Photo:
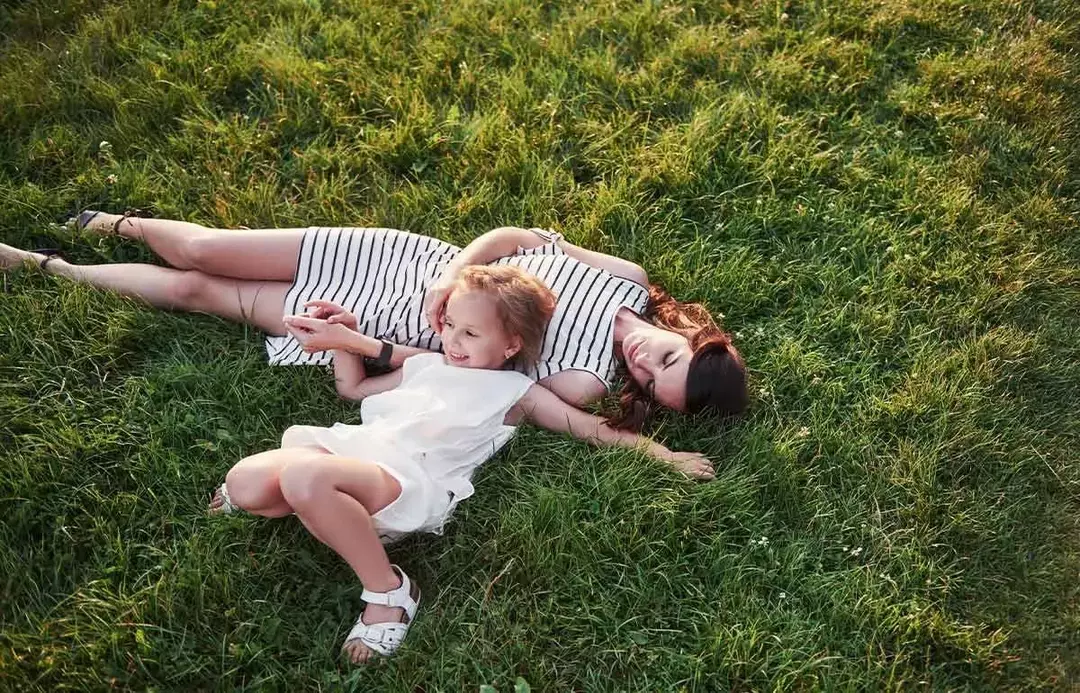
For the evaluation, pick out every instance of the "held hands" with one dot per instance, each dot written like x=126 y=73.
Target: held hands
x=331 y=313
x=324 y=326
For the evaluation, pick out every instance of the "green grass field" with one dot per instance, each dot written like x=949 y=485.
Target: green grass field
x=880 y=197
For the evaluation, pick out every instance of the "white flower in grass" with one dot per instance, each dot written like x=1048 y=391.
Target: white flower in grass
x=111 y=179
x=803 y=432
x=783 y=595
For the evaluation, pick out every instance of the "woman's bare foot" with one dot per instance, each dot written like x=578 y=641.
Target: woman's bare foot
x=13 y=257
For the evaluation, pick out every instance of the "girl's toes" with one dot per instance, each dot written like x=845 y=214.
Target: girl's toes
x=358 y=652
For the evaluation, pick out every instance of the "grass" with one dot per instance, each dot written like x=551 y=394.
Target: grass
x=882 y=199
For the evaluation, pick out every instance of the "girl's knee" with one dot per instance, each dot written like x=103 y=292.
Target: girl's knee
x=250 y=486
x=307 y=479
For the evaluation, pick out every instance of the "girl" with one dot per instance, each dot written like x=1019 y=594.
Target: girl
x=426 y=427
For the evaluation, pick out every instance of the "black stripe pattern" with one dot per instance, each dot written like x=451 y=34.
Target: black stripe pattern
x=381 y=275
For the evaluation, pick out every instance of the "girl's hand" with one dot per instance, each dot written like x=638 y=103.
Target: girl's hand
x=692 y=464
x=318 y=335
x=436 y=297
x=331 y=313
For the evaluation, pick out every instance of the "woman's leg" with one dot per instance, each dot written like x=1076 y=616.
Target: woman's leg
x=257 y=303
x=335 y=497
x=266 y=254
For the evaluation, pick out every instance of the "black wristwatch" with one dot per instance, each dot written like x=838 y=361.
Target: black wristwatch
x=375 y=366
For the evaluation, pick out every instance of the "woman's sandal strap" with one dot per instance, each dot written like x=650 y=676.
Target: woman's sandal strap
x=85 y=217
x=128 y=213
x=50 y=255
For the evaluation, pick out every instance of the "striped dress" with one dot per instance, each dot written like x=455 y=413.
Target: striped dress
x=382 y=275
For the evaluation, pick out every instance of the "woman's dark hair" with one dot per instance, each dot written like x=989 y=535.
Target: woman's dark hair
x=716 y=380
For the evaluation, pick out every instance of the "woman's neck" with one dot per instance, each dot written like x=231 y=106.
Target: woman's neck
x=625 y=320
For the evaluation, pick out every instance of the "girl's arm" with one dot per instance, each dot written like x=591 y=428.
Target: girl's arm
x=544 y=408
x=321 y=335
x=328 y=326
x=352 y=381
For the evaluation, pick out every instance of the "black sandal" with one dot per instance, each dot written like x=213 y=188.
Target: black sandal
x=85 y=217
x=50 y=255
x=88 y=215
x=128 y=213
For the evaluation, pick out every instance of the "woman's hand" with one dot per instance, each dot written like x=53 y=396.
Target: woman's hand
x=436 y=297
x=692 y=464
x=331 y=313
x=319 y=335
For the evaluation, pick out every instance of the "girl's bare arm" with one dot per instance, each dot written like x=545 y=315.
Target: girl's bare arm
x=544 y=408
x=352 y=381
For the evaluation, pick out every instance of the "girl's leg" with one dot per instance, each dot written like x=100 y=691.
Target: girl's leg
x=254 y=484
x=257 y=303
x=268 y=254
x=335 y=497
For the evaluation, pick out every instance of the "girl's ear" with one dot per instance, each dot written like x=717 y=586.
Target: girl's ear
x=513 y=347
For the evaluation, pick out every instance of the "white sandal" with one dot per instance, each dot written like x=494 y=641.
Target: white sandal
x=227 y=507
x=386 y=638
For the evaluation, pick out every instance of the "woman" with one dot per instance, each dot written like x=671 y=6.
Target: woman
x=607 y=316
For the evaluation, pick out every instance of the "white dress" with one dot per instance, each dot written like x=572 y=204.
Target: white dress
x=430 y=433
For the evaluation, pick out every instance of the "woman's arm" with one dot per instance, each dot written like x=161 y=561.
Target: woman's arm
x=544 y=408
x=505 y=241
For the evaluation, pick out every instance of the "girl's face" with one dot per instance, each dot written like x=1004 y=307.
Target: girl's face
x=659 y=360
x=473 y=336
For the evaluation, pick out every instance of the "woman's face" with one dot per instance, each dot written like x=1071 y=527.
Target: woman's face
x=659 y=360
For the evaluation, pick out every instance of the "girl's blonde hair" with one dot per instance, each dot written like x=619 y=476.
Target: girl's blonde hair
x=524 y=304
